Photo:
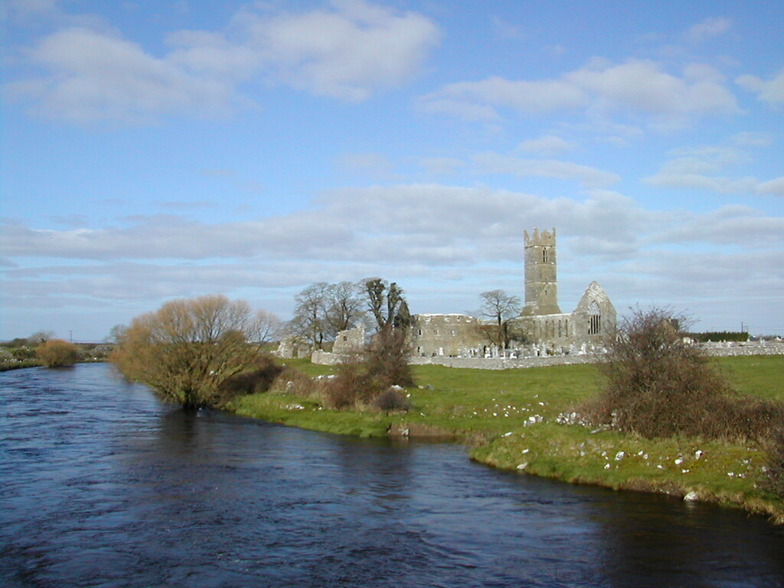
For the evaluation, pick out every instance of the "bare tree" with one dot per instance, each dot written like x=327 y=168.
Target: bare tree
x=310 y=320
x=267 y=328
x=344 y=306
x=499 y=307
x=188 y=349
x=40 y=337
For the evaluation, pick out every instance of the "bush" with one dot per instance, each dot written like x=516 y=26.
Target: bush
x=392 y=399
x=256 y=380
x=659 y=386
x=387 y=359
x=775 y=465
x=57 y=353
x=351 y=387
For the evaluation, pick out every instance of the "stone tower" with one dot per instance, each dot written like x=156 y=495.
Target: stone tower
x=541 y=285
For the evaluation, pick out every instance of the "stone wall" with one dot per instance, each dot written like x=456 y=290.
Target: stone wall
x=499 y=363
x=711 y=349
x=447 y=335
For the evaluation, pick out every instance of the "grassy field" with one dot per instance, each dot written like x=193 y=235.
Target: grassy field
x=509 y=419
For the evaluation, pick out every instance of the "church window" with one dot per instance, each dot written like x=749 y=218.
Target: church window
x=595 y=319
x=544 y=255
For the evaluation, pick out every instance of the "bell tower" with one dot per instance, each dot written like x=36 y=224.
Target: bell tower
x=541 y=284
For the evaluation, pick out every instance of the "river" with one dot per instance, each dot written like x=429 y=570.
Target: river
x=102 y=485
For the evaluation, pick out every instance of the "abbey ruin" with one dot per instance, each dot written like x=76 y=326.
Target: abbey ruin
x=541 y=329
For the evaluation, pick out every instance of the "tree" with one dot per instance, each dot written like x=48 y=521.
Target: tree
x=386 y=304
x=323 y=310
x=188 y=349
x=343 y=307
x=40 y=337
x=310 y=320
x=387 y=357
x=57 y=353
x=499 y=307
x=116 y=334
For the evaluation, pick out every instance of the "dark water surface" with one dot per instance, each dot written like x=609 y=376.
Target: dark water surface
x=101 y=485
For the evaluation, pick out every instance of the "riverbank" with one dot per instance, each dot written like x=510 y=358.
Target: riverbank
x=516 y=420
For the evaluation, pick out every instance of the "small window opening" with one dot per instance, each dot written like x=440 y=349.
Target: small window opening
x=595 y=320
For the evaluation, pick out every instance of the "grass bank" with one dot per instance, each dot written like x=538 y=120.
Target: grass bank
x=509 y=419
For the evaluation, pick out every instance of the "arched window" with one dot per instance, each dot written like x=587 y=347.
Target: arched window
x=595 y=319
x=544 y=254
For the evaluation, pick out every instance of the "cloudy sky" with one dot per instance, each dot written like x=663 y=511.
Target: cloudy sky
x=155 y=149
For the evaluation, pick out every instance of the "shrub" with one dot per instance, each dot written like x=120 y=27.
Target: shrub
x=775 y=465
x=387 y=359
x=259 y=379
x=57 y=353
x=392 y=399
x=350 y=387
x=659 y=386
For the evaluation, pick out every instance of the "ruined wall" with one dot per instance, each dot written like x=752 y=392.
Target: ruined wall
x=349 y=341
x=293 y=347
x=346 y=346
x=446 y=335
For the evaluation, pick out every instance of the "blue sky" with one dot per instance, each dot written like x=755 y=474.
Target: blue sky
x=161 y=149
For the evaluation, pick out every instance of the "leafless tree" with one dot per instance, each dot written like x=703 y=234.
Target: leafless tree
x=189 y=348
x=310 y=320
x=40 y=337
x=344 y=306
x=499 y=307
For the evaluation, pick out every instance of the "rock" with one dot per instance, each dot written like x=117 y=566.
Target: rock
x=691 y=497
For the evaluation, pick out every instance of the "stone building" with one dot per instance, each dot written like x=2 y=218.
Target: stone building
x=541 y=329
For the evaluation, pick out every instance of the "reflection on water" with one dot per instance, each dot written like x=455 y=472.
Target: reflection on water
x=103 y=485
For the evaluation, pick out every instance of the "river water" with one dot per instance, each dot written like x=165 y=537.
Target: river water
x=102 y=485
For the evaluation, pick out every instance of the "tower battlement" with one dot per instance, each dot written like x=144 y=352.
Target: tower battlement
x=543 y=238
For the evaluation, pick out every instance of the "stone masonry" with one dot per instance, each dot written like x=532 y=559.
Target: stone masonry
x=541 y=329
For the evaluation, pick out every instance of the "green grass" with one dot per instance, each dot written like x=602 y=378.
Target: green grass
x=508 y=417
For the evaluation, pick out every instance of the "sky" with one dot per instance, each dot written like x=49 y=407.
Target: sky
x=161 y=149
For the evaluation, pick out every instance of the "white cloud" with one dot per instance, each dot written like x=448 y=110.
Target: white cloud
x=349 y=52
x=775 y=186
x=422 y=235
x=420 y=223
x=698 y=168
x=708 y=28
x=441 y=165
x=728 y=225
x=538 y=97
x=587 y=176
x=752 y=139
x=98 y=78
x=601 y=88
x=770 y=91
x=546 y=145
